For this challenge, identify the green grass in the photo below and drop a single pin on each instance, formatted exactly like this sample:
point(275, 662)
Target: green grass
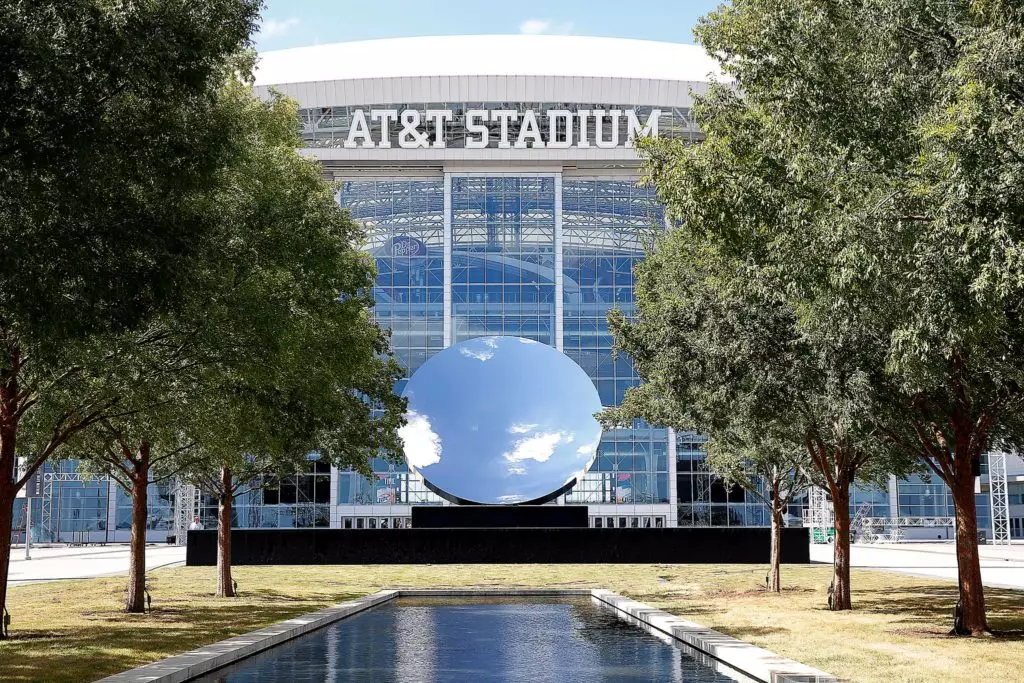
point(75, 631)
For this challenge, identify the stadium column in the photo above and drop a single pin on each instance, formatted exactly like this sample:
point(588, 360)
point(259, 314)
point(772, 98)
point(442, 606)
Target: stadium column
point(559, 306)
point(447, 282)
point(112, 488)
point(559, 285)
point(673, 507)
point(335, 511)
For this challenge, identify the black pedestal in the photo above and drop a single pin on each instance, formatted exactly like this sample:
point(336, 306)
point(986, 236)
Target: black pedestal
point(724, 545)
point(499, 516)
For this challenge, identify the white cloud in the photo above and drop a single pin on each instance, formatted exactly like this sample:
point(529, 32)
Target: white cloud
point(481, 355)
point(273, 27)
point(421, 443)
point(521, 428)
point(587, 449)
point(516, 469)
point(539, 447)
point(514, 498)
point(538, 26)
point(478, 355)
point(524, 340)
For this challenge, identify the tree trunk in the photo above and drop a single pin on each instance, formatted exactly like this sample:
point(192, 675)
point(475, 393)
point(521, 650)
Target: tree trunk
point(775, 580)
point(973, 620)
point(225, 585)
point(136, 602)
point(9, 391)
point(7, 493)
point(841, 557)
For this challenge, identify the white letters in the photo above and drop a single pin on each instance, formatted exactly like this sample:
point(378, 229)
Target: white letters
point(529, 128)
point(584, 135)
point(438, 116)
point(599, 115)
point(554, 116)
point(409, 137)
point(504, 115)
point(385, 116)
point(633, 129)
point(436, 122)
point(358, 129)
point(478, 128)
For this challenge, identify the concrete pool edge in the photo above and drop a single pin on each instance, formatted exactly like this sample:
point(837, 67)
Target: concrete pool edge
point(202, 660)
point(756, 662)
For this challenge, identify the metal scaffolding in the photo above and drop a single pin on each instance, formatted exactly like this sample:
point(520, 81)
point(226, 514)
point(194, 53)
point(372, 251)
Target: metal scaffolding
point(187, 503)
point(820, 514)
point(997, 491)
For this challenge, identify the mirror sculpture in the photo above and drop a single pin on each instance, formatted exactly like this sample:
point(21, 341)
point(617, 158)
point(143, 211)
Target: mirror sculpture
point(500, 420)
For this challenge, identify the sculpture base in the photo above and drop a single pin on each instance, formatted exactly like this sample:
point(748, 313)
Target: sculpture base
point(721, 545)
point(499, 516)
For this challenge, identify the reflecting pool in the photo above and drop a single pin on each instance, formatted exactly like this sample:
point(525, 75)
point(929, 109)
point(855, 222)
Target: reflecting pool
point(500, 420)
point(479, 639)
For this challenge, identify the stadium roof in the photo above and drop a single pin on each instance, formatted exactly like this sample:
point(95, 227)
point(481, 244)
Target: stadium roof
point(500, 55)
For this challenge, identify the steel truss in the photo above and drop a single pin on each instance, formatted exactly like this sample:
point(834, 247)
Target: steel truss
point(819, 514)
point(998, 498)
point(187, 503)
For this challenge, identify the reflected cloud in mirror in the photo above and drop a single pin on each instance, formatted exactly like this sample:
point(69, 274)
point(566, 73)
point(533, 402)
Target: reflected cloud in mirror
point(500, 420)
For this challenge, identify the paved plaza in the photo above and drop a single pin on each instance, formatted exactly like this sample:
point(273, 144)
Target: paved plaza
point(60, 562)
point(1002, 566)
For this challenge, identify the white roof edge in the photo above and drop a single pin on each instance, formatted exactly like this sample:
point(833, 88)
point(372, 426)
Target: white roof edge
point(497, 55)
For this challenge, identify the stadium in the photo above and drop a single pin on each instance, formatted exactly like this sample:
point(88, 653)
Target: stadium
point(499, 183)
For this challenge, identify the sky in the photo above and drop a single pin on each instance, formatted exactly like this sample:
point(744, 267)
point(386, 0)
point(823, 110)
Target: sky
point(298, 23)
point(500, 420)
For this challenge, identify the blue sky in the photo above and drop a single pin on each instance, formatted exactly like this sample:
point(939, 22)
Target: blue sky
point(500, 420)
point(296, 23)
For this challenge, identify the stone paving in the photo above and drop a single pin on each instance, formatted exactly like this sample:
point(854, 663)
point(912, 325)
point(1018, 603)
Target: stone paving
point(49, 563)
point(1002, 566)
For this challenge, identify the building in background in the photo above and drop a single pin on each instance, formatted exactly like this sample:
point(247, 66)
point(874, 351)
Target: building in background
point(499, 184)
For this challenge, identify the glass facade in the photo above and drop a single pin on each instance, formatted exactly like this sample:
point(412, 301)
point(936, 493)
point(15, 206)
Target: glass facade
point(503, 257)
point(405, 221)
point(506, 265)
point(920, 496)
point(703, 499)
point(160, 504)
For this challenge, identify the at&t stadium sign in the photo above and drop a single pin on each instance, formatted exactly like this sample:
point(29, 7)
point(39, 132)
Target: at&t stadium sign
point(501, 128)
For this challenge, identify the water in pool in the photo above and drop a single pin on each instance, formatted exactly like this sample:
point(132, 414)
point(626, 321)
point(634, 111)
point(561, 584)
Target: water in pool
point(412, 640)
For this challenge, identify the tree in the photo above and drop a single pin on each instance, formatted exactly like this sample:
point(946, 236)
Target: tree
point(885, 193)
point(111, 137)
point(291, 360)
point(719, 351)
point(773, 470)
point(153, 374)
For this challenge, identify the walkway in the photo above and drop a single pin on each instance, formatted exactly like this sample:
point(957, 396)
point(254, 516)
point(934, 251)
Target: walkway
point(1002, 566)
point(84, 562)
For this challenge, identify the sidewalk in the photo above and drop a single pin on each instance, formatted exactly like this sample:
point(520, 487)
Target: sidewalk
point(1002, 566)
point(88, 562)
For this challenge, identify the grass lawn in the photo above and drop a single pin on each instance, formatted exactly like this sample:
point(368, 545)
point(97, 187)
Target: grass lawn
point(75, 631)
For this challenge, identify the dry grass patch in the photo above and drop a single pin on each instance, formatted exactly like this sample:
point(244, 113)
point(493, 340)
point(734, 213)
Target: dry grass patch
point(75, 631)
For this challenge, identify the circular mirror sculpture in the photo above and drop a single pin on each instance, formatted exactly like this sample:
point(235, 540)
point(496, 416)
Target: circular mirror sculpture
point(500, 420)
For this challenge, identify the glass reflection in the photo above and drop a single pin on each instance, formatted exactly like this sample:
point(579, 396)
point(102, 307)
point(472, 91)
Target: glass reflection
point(501, 420)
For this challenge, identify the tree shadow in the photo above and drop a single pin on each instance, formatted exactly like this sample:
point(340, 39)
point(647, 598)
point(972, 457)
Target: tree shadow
point(111, 640)
point(928, 608)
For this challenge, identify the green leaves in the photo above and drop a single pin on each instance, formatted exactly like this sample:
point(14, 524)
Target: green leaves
point(110, 135)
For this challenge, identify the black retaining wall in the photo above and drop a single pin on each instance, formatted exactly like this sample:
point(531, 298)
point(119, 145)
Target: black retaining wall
point(499, 516)
point(736, 545)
